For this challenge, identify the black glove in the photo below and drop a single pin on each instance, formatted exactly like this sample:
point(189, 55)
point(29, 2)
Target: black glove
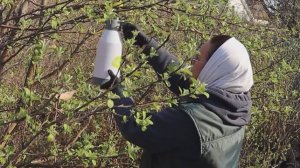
point(114, 80)
point(140, 40)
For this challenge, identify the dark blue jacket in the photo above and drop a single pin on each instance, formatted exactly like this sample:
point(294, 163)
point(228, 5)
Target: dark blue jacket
point(182, 135)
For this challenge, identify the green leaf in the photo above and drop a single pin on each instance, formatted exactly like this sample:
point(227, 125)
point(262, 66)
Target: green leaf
point(132, 150)
point(2, 160)
point(50, 138)
point(125, 118)
point(186, 71)
point(110, 103)
point(54, 23)
point(94, 162)
point(116, 63)
point(67, 128)
point(29, 95)
point(144, 128)
point(206, 94)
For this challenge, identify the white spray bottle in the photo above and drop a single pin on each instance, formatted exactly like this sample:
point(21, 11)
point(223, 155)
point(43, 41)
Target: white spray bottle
point(109, 52)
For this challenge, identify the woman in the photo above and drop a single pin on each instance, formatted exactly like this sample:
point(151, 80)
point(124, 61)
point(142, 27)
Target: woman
point(202, 132)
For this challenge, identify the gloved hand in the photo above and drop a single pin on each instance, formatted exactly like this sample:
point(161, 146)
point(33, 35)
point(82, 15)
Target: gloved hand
point(140, 40)
point(114, 80)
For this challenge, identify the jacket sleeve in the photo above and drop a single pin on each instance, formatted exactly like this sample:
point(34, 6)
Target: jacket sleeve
point(171, 128)
point(160, 63)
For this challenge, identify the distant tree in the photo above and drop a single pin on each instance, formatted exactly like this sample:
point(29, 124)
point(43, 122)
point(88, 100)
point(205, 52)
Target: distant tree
point(288, 11)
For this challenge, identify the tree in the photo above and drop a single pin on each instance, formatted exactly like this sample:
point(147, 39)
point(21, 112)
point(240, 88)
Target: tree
point(288, 13)
point(51, 115)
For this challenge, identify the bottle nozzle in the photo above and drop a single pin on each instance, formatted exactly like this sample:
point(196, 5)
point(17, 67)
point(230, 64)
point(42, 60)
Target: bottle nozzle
point(112, 24)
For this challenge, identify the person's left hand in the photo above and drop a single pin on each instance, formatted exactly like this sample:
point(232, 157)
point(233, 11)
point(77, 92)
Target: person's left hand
point(114, 80)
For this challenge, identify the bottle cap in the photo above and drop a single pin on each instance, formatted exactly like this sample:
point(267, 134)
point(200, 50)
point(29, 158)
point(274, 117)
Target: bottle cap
point(112, 24)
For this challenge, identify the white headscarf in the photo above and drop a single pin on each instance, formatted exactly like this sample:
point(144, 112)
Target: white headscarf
point(229, 68)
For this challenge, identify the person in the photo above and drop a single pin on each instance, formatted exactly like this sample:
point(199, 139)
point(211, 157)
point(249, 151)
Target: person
point(199, 132)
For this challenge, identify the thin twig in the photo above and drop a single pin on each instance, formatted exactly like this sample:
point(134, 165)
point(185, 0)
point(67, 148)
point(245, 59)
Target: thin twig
point(71, 143)
point(139, 7)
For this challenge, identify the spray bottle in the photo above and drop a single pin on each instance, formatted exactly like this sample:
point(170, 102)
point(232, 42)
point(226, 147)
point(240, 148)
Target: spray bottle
point(109, 52)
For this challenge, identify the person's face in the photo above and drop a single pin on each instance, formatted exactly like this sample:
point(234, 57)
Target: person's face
point(200, 60)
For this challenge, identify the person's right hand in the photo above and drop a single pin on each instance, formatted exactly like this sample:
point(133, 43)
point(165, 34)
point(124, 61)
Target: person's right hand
point(140, 40)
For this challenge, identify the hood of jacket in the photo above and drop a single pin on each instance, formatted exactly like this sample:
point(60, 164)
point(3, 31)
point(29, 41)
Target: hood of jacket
point(232, 108)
